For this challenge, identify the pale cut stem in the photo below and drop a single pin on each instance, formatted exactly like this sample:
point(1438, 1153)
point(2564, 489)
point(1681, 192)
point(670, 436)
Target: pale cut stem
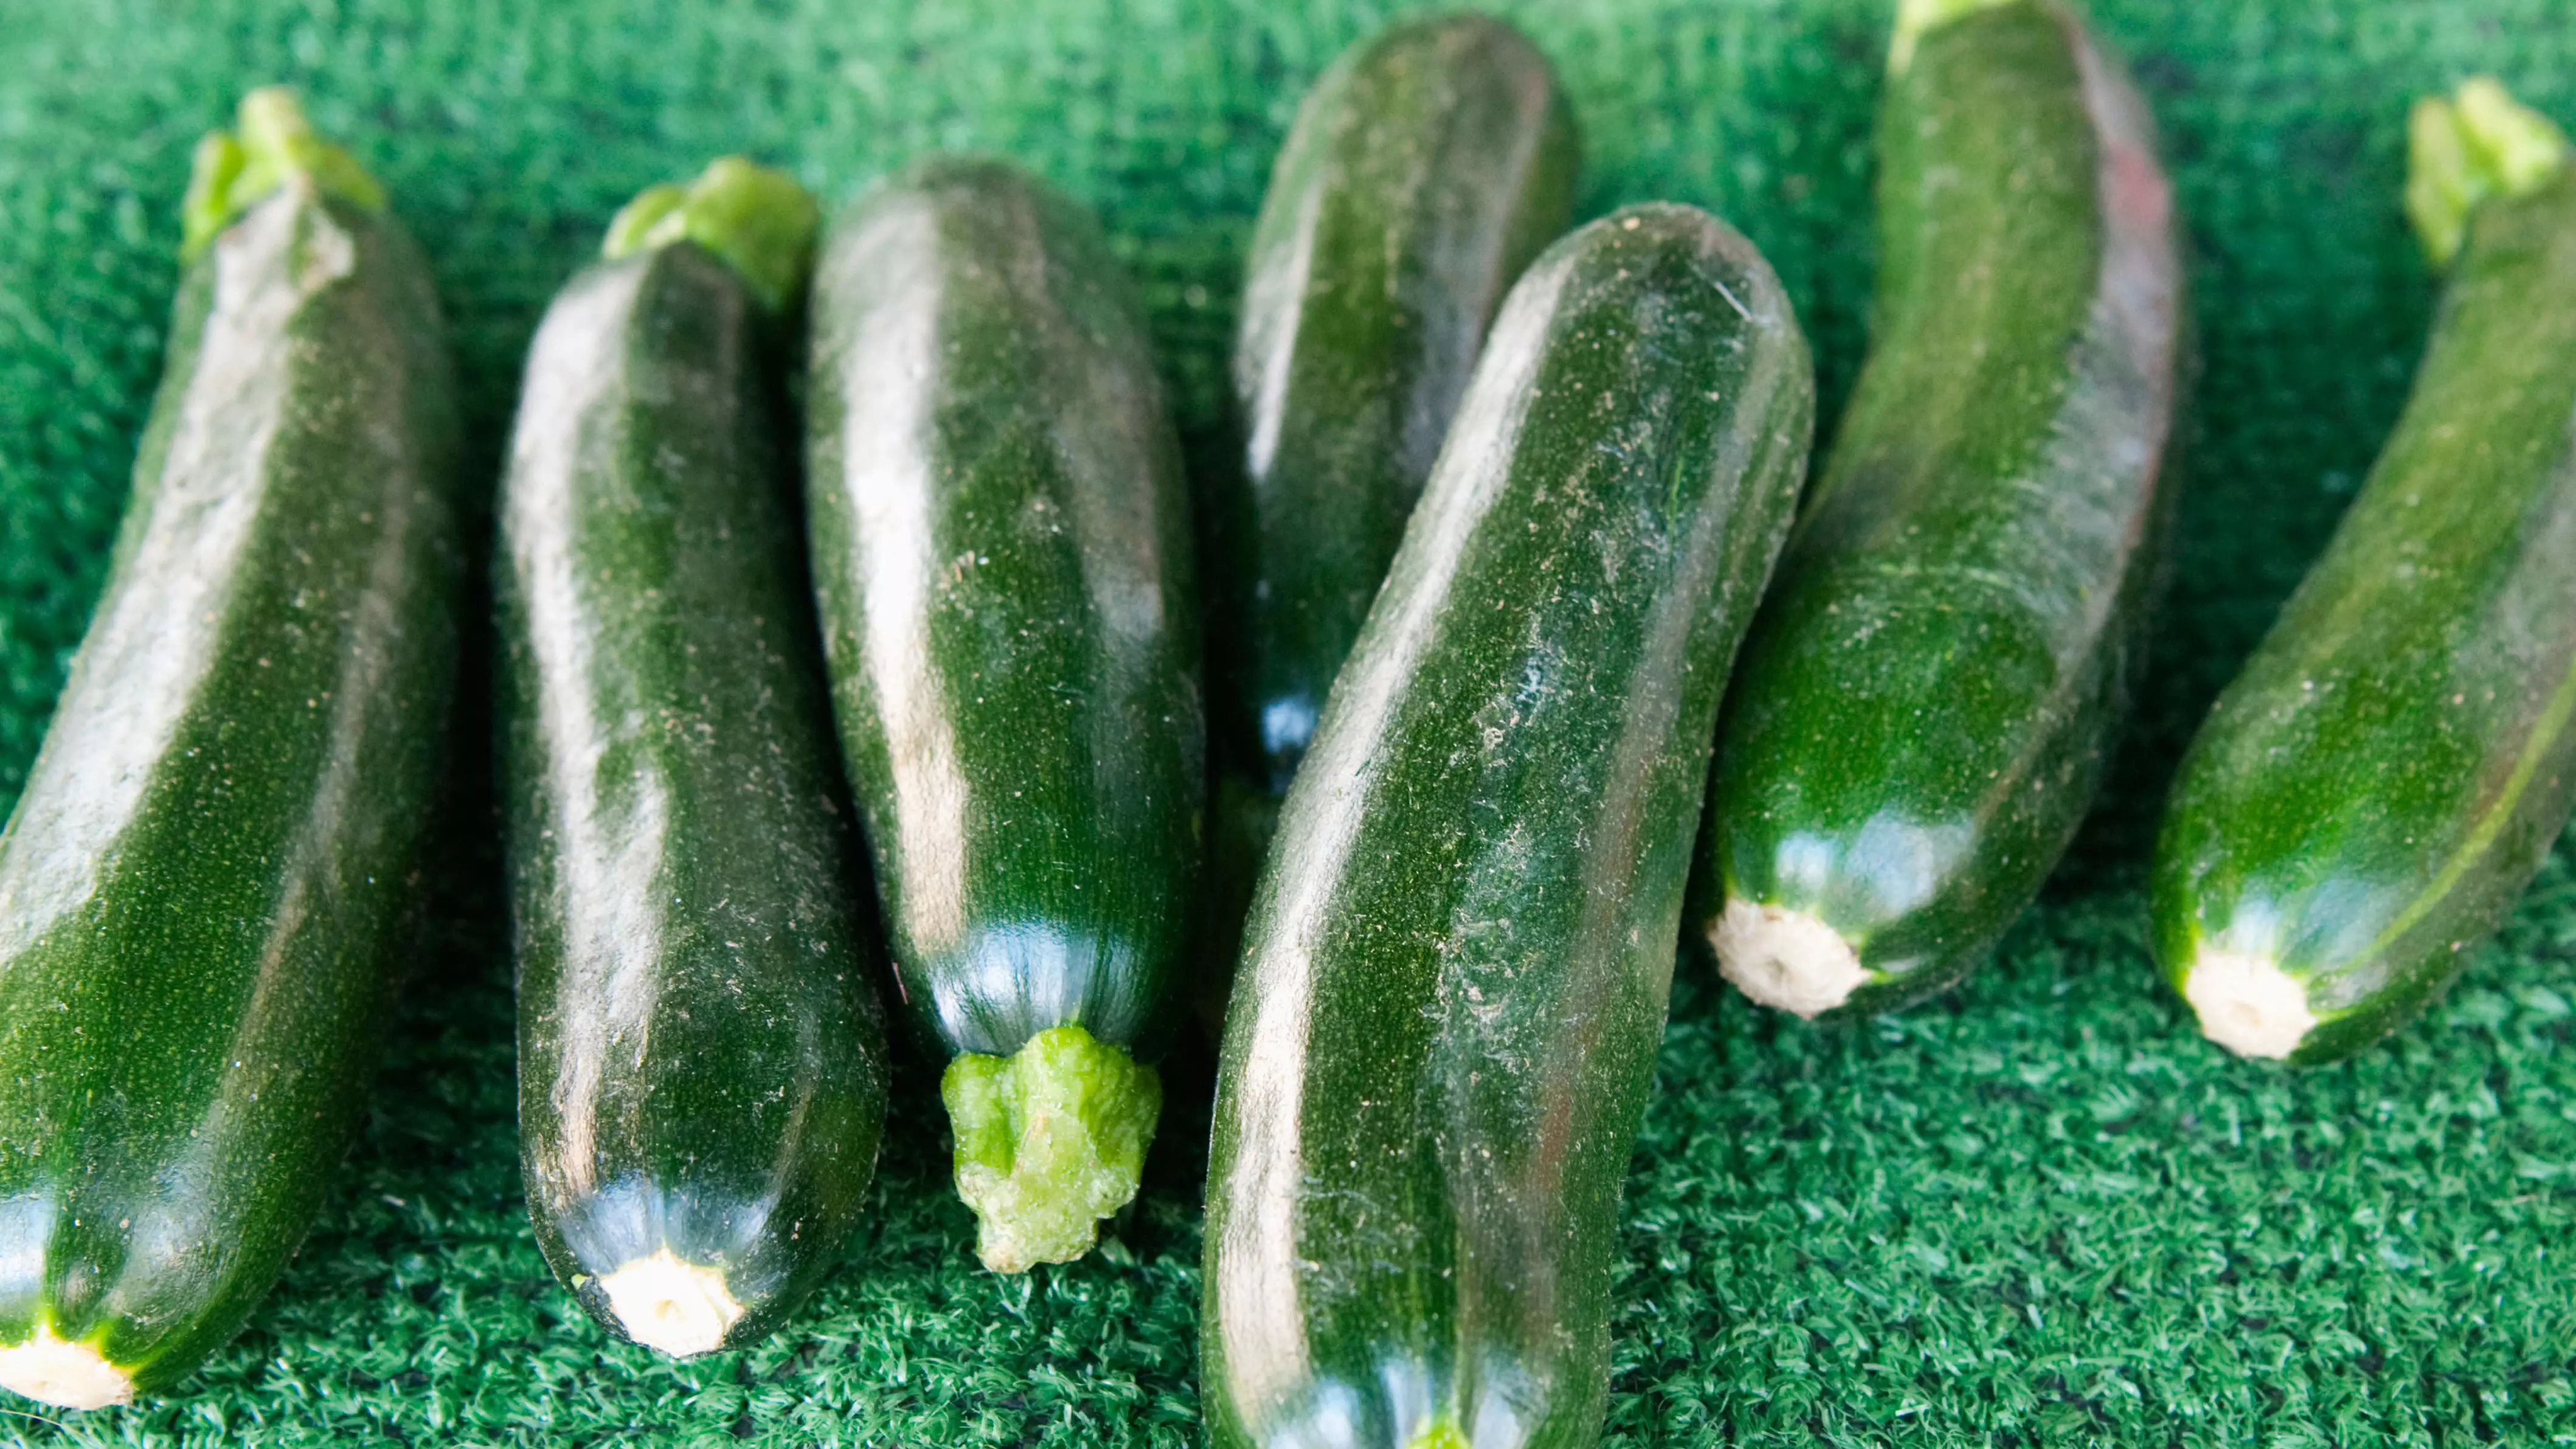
point(683, 1309)
point(65, 1375)
point(1784, 958)
point(2248, 1004)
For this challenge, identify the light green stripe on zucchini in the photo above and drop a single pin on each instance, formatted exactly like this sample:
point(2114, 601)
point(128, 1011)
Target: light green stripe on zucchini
point(758, 221)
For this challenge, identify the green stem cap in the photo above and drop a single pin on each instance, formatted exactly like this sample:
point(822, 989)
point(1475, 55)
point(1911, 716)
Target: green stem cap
point(2480, 142)
point(274, 143)
point(758, 221)
point(1913, 17)
point(1049, 1142)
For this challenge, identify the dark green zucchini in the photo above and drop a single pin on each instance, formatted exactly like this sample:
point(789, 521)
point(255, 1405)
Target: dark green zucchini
point(1928, 699)
point(199, 888)
point(1425, 169)
point(1455, 976)
point(1002, 554)
point(2369, 796)
point(701, 1052)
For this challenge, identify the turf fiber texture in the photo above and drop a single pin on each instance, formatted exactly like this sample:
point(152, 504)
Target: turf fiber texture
point(2038, 1211)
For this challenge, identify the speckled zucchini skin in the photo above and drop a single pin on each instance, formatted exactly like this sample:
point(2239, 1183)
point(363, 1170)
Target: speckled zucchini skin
point(701, 1051)
point(199, 887)
point(1002, 553)
point(1928, 699)
point(2371, 794)
point(1455, 975)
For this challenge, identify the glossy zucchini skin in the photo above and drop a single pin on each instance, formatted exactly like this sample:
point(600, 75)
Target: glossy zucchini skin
point(198, 888)
point(2374, 790)
point(1002, 555)
point(1426, 168)
point(701, 1051)
point(1928, 699)
point(1455, 977)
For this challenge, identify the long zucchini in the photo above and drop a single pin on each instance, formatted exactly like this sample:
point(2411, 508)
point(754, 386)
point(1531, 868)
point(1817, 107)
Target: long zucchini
point(1927, 701)
point(2370, 795)
point(199, 887)
point(701, 1052)
point(1002, 553)
point(1456, 971)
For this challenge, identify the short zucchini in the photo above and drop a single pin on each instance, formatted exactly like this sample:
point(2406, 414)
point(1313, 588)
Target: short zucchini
point(1926, 704)
point(1455, 976)
point(2369, 796)
point(200, 887)
point(1002, 554)
point(701, 1051)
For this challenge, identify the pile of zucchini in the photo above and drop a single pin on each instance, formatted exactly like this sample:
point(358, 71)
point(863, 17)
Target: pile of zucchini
point(1483, 744)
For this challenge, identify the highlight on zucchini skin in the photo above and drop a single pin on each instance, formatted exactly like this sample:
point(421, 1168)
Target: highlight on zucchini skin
point(1928, 700)
point(702, 1075)
point(1002, 554)
point(1455, 978)
point(2371, 794)
point(202, 885)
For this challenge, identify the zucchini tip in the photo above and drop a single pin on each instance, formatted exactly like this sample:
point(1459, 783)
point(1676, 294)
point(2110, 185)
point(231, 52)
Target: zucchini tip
point(755, 220)
point(1049, 1141)
point(2248, 1004)
point(65, 1375)
point(1784, 958)
point(2468, 146)
point(272, 146)
point(1913, 17)
point(682, 1309)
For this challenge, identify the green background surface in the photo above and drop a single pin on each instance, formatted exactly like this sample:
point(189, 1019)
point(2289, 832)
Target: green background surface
point(2038, 1211)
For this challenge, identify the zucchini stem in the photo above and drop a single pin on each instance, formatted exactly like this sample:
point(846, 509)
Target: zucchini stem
point(757, 221)
point(1784, 958)
point(1049, 1142)
point(275, 144)
point(2248, 1004)
point(65, 1375)
point(683, 1309)
point(1913, 17)
point(2478, 143)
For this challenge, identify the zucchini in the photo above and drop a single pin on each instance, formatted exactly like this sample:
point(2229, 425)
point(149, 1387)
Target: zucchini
point(1928, 699)
point(199, 888)
point(1002, 554)
point(1427, 166)
point(1425, 169)
point(1455, 974)
point(702, 1071)
point(2368, 797)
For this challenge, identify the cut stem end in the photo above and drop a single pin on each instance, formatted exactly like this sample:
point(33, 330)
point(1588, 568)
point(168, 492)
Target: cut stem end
point(65, 1375)
point(1784, 958)
point(1049, 1142)
point(2248, 1004)
point(757, 221)
point(2460, 150)
point(683, 1309)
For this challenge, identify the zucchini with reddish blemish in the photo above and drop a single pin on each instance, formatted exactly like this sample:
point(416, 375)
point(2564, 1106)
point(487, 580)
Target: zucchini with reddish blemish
point(2374, 790)
point(1929, 697)
point(201, 886)
point(1001, 550)
point(1455, 975)
point(701, 1052)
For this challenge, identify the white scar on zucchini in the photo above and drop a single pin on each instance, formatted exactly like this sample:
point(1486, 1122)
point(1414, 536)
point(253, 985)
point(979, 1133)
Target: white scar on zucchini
point(65, 1375)
point(683, 1309)
point(2248, 1004)
point(1049, 1142)
point(1784, 958)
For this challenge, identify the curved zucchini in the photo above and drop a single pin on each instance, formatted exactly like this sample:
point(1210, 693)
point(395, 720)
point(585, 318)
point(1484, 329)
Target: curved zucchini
point(2370, 795)
point(199, 887)
point(701, 1052)
point(1001, 550)
point(1927, 701)
point(1459, 954)
point(1426, 168)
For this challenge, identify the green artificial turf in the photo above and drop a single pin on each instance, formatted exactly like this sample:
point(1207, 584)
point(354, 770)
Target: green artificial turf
point(2039, 1211)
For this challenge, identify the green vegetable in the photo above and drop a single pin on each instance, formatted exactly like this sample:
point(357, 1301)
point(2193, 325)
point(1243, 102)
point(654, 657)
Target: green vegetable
point(1002, 553)
point(1456, 971)
point(1426, 168)
point(2370, 795)
point(1927, 701)
point(701, 1052)
point(201, 885)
